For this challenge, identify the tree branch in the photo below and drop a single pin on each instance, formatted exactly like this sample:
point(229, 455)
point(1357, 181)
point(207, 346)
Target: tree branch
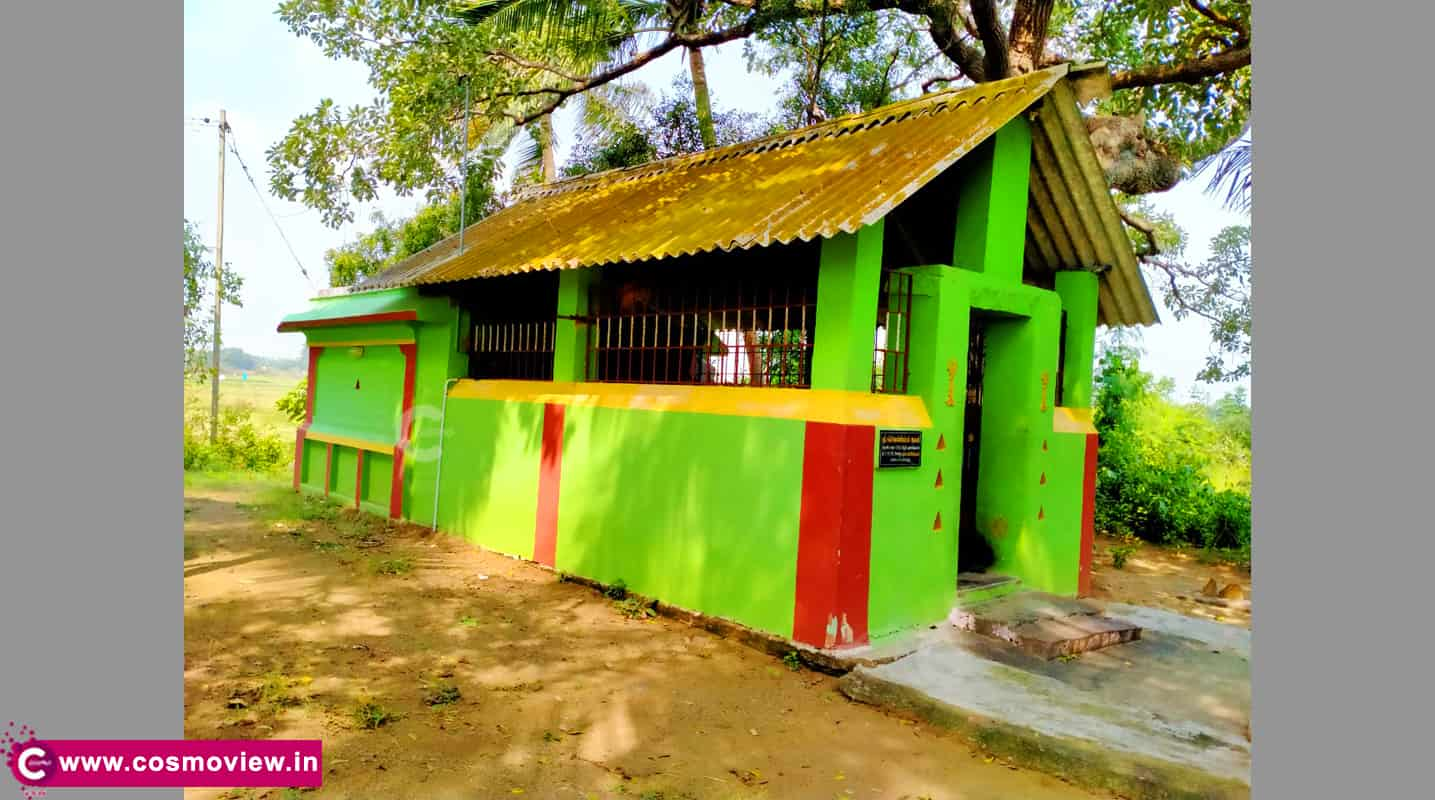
point(1219, 18)
point(1146, 228)
point(560, 93)
point(1193, 71)
point(504, 55)
point(994, 43)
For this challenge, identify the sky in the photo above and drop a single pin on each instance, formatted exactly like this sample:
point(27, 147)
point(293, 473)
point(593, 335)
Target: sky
point(239, 57)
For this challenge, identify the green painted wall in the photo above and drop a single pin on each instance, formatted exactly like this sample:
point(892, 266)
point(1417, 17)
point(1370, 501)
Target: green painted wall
point(848, 281)
point(1079, 297)
point(359, 396)
point(699, 510)
point(913, 567)
point(992, 203)
point(490, 474)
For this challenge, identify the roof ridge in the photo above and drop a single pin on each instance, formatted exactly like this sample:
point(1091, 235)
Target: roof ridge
point(834, 127)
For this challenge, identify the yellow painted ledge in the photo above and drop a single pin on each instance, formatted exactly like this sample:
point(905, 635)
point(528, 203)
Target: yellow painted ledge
point(348, 441)
point(813, 405)
point(1072, 420)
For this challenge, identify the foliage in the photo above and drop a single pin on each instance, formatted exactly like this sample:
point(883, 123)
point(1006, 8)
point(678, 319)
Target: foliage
point(1181, 67)
point(441, 694)
point(239, 445)
point(617, 590)
point(234, 358)
point(294, 405)
point(1169, 472)
point(1194, 117)
point(1120, 553)
point(838, 65)
point(1218, 291)
point(670, 129)
point(392, 566)
point(792, 661)
point(392, 241)
point(199, 302)
point(1230, 171)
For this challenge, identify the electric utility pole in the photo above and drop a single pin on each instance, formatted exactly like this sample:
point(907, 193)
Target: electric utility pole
point(218, 289)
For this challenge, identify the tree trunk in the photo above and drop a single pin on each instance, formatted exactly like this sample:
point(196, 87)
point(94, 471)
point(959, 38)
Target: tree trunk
point(545, 145)
point(701, 100)
point(1028, 35)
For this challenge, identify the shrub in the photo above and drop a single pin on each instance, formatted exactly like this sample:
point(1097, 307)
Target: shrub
point(239, 445)
point(1159, 461)
point(294, 402)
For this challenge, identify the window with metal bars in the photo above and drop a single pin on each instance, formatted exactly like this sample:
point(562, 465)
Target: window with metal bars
point(510, 326)
point(714, 319)
point(890, 367)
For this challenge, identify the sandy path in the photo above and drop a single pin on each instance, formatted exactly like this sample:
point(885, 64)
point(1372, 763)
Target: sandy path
point(561, 695)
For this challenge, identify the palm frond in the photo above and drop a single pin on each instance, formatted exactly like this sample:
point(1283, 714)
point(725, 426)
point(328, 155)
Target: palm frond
point(1230, 171)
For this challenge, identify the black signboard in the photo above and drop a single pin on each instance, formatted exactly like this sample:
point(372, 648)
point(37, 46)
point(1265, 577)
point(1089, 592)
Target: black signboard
point(899, 449)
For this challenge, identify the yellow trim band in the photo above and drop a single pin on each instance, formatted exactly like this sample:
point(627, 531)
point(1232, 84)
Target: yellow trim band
point(813, 405)
point(1072, 420)
point(348, 441)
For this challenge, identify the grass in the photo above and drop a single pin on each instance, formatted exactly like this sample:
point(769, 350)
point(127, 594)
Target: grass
point(792, 661)
point(370, 715)
point(441, 694)
point(392, 566)
point(258, 392)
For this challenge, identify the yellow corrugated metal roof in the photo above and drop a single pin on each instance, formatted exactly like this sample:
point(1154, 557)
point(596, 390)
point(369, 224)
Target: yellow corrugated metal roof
point(833, 177)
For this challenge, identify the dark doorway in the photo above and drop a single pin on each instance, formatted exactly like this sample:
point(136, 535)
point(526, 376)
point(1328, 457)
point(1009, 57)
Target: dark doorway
point(974, 552)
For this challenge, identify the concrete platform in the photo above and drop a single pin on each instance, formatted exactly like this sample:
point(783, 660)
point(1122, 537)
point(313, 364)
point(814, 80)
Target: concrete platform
point(1044, 625)
point(1165, 716)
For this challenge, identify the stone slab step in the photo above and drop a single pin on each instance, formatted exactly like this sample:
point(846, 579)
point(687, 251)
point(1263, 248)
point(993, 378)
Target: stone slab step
point(1045, 626)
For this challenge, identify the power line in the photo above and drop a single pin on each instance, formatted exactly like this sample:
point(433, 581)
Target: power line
point(272, 218)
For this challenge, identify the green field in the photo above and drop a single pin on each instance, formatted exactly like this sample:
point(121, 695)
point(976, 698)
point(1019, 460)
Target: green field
point(258, 392)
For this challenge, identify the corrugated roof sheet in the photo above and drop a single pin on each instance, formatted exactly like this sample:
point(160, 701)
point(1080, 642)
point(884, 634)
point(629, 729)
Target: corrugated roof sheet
point(833, 177)
point(1072, 220)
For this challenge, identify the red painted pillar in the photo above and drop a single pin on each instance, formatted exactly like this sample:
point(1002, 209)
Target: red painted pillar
point(1088, 517)
point(308, 416)
point(406, 427)
point(834, 545)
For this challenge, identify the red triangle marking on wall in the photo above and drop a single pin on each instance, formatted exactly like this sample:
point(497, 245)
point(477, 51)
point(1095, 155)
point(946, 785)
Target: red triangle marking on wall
point(939, 480)
point(941, 442)
point(1041, 512)
point(1043, 479)
point(1043, 445)
point(937, 523)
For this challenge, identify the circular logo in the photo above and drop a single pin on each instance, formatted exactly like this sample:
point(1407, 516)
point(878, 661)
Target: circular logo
point(34, 763)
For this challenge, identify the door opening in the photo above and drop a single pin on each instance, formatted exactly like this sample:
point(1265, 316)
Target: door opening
point(974, 552)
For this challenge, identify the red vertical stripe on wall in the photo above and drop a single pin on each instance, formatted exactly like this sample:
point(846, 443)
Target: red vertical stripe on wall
point(550, 469)
point(308, 416)
point(1088, 517)
point(328, 466)
point(835, 536)
point(359, 479)
point(406, 427)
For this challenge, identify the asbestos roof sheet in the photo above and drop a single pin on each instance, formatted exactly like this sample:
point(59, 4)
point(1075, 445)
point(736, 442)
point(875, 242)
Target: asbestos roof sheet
point(814, 182)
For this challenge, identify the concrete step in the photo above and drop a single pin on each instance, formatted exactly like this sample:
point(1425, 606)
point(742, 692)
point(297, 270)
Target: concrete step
point(1046, 626)
point(979, 587)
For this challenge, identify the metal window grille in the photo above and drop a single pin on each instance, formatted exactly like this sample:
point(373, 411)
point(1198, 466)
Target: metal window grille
point(890, 362)
point(751, 327)
point(513, 350)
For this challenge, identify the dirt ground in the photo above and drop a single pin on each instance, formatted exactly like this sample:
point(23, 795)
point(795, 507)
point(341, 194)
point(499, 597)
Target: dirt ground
point(492, 678)
point(1168, 578)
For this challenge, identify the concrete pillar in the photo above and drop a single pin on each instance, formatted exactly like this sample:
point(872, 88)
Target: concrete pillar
point(1078, 291)
point(847, 283)
point(570, 343)
point(992, 202)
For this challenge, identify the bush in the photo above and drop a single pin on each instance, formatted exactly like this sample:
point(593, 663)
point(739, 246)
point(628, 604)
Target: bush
point(1160, 461)
point(294, 402)
point(239, 444)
